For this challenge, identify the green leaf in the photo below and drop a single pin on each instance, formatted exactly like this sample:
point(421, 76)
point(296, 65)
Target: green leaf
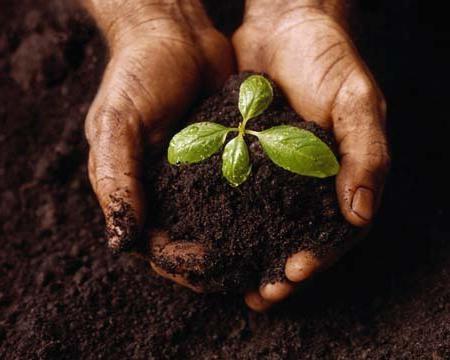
point(255, 96)
point(298, 151)
point(196, 142)
point(236, 161)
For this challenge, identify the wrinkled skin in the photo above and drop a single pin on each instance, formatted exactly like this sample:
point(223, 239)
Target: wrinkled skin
point(164, 55)
point(306, 50)
point(161, 56)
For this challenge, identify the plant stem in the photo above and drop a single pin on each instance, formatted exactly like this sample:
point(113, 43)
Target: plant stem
point(251, 132)
point(241, 128)
point(244, 122)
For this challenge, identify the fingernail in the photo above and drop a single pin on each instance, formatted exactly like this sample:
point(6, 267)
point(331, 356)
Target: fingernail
point(121, 235)
point(362, 203)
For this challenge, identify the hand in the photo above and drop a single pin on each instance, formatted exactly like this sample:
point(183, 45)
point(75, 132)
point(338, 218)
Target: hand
point(162, 53)
point(304, 47)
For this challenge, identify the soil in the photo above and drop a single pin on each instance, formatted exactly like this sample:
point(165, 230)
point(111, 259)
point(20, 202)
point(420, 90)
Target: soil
point(248, 231)
point(63, 295)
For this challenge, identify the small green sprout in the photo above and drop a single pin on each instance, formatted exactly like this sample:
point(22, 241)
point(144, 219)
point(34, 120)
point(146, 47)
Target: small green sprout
point(294, 149)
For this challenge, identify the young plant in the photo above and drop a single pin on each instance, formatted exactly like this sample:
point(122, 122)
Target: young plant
point(294, 149)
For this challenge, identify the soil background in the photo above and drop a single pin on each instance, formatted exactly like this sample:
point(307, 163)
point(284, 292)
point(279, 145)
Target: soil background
point(64, 296)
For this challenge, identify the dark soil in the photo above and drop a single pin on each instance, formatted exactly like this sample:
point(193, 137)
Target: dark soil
point(248, 231)
point(63, 295)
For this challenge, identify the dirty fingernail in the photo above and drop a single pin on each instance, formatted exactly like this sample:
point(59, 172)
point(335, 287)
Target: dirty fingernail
point(121, 226)
point(362, 203)
point(120, 236)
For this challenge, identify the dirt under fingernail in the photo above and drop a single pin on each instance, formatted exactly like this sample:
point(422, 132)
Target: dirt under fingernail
point(122, 231)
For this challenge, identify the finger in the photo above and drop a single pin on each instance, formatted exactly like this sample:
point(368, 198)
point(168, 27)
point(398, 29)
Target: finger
point(256, 302)
point(177, 278)
point(157, 240)
point(181, 257)
point(113, 133)
point(302, 266)
point(176, 256)
point(358, 119)
point(276, 292)
point(177, 261)
point(124, 105)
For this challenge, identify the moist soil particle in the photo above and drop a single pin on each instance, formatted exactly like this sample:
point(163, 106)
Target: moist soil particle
point(249, 231)
point(63, 295)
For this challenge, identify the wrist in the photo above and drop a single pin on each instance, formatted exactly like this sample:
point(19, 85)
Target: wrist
point(116, 18)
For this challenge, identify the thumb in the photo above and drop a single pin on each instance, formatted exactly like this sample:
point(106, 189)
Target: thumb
point(113, 130)
point(358, 121)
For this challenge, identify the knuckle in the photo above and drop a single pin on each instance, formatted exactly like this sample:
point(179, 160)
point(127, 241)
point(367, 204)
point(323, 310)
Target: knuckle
point(360, 92)
point(108, 123)
point(359, 96)
point(365, 92)
point(136, 86)
point(379, 159)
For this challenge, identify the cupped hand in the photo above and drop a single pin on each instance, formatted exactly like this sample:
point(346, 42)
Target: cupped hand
point(161, 55)
point(304, 47)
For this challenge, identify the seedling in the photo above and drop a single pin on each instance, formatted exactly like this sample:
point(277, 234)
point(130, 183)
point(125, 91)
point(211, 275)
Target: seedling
point(294, 149)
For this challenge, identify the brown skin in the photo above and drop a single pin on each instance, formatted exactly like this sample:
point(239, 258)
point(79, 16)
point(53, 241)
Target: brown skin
point(162, 54)
point(304, 47)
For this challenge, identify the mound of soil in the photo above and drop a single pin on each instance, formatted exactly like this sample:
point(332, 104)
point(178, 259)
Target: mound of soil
point(248, 231)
